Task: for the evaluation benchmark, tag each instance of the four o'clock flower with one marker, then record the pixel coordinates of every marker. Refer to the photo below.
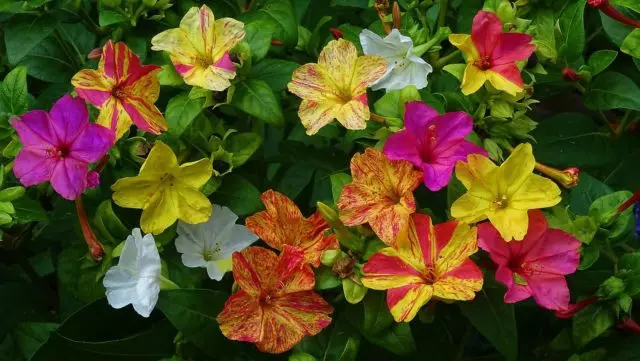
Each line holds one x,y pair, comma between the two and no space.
336,87
210,244
200,48
492,55
123,89
535,266
59,146
432,142
403,67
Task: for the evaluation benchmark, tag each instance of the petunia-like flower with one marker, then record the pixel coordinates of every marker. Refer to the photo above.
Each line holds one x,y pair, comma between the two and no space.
166,191
432,142
123,89
200,47
535,266
431,263
59,146
283,224
136,279
492,55
336,87
276,305
381,194
210,245
403,67
503,194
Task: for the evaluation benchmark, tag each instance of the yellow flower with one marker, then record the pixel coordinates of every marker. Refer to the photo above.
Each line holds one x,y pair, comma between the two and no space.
166,191
336,87
503,194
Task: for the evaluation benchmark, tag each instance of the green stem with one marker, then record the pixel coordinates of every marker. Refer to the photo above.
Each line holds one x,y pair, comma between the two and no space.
604,118
447,59
623,123
580,87
444,5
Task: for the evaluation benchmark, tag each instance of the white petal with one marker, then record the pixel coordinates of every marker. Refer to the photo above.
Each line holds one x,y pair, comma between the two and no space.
148,290
399,41
118,277
129,253
193,260
373,44
413,73
213,271
120,297
186,243
240,239
149,258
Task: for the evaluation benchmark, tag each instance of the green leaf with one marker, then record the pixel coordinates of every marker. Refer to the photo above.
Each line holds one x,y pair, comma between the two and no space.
29,210
600,60
237,193
326,279
397,339
377,317
338,181
591,322
255,97
340,342
456,70
25,33
242,146
318,35
630,262
604,207
613,91
181,111
110,17
544,31
363,4
31,335
353,292
11,193
630,4
13,91
295,179
571,23
21,302
275,72
281,14
108,224
391,105
588,190
631,44
259,38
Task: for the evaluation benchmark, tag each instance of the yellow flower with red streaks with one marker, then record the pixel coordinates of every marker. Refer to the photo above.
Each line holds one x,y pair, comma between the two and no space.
123,89
381,194
276,306
283,224
431,263
200,47
336,87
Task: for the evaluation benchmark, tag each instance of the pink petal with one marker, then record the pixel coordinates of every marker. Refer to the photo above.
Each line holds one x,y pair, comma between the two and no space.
95,97
533,239
69,178
34,130
549,291
490,240
437,176
515,292
225,62
417,117
92,144
512,47
558,253
485,32
450,129
139,72
69,116
403,145
33,166
511,72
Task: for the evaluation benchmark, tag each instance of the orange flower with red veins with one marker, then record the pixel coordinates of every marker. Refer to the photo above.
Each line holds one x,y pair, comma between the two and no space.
282,224
381,194
276,306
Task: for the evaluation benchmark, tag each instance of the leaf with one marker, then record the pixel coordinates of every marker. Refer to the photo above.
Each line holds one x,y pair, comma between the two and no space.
275,72
591,322
25,33
456,70
571,23
363,4
494,319
600,60
318,35
108,224
110,17
630,262
31,335
13,91
242,146
397,339
259,38
28,210
326,279
353,292
544,31
630,4
603,208
281,14
338,181
588,190
181,111
377,317
631,44
21,302
255,97
613,91
392,104
237,193
295,179
340,342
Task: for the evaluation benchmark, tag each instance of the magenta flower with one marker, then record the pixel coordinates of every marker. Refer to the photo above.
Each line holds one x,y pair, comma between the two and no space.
535,266
59,146
432,142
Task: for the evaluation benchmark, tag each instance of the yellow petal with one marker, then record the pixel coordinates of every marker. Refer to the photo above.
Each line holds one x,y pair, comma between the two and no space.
473,79
198,24
511,223
229,32
515,170
315,115
114,116
147,87
160,161
339,59
465,44
463,243
160,213
368,70
176,43
134,192
470,208
193,206
353,115
501,83
458,289
312,82
211,77
194,174
477,169
405,303
536,192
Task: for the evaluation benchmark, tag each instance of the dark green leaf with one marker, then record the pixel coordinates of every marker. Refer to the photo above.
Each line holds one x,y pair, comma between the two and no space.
337,343
295,179
109,17
181,111
237,193
612,91
242,146
275,72
13,91
28,210
338,181
600,60
591,323
255,97
259,38
31,335
572,28
25,33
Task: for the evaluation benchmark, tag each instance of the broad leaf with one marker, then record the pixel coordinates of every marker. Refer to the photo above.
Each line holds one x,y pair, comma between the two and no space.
181,111
13,91
23,34
572,30
255,97
613,91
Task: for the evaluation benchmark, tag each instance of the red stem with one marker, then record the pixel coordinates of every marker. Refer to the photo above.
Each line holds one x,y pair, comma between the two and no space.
610,11
95,248
634,198
103,161
630,325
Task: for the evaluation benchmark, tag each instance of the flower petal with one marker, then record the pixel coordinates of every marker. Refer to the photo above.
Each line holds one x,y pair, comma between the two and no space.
307,309
33,166
145,115
160,213
160,159
312,82
515,170
92,144
241,318
485,32
506,78
198,25
557,252
195,174
490,241
471,207
69,178
460,284
176,43
550,291
403,145
405,302
512,47
536,192
339,58
210,77
417,118
92,86
315,115
473,79
69,117
368,69
253,269
511,223
279,223
459,246
115,117
465,43
193,206
228,33
353,115
135,192
387,269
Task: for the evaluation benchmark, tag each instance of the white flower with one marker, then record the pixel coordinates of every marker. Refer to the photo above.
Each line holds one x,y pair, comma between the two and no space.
404,68
210,245
136,278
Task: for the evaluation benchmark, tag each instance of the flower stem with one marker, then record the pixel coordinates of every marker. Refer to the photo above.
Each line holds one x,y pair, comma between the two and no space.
103,161
442,15
634,198
95,248
608,9
378,119
445,60
624,123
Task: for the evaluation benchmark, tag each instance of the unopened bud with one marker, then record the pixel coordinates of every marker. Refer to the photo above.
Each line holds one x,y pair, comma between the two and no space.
611,288
572,309
568,178
95,54
277,42
569,74
506,11
396,15
337,34
330,256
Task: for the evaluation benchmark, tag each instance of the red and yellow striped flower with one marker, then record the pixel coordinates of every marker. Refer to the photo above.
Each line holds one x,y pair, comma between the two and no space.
123,89
276,305
431,263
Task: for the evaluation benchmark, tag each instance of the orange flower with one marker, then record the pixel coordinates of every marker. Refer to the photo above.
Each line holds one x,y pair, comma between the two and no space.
276,306
282,224
381,194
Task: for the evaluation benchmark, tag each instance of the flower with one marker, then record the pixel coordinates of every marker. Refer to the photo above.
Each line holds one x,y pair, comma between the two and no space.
123,89
59,146
536,266
636,213
210,245
282,224
381,194
568,312
276,305
136,278
200,48
403,68
492,55
432,142
432,262
336,87
503,194
166,191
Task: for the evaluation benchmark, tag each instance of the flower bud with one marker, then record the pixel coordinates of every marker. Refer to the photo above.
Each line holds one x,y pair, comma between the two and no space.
506,12
330,256
570,75
628,324
95,54
337,34
611,288
353,292
396,15
568,178
11,193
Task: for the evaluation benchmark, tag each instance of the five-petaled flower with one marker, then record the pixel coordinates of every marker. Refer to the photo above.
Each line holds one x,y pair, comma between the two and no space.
492,55
503,194
283,224
336,87
123,89
200,47
59,146
276,305
535,266
381,194
431,263
166,191
432,142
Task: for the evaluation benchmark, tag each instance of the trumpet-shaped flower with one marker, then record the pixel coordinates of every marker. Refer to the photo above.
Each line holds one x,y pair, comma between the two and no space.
166,191
283,224
336,87
136,278
432,142
492,55
431,263
381,194
123,89
211,244
59,146
200,47
503,194
276,305
536,266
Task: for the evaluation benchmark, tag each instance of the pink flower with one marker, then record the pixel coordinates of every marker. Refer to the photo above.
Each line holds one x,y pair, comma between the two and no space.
432,142
59,146
535,266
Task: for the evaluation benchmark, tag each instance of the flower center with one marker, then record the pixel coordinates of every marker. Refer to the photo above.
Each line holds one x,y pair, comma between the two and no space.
500,202
203,62
119,93
484,63
429,142
60,151
211,254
